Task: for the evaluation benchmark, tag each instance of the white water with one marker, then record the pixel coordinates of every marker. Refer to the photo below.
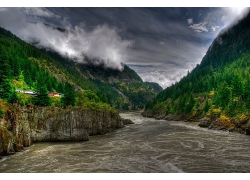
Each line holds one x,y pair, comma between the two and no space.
149,145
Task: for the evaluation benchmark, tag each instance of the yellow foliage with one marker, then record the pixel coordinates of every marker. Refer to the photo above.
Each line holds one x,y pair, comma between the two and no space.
243,117
207,118
211,93
224,118
20,85
194,113
216,110
226,122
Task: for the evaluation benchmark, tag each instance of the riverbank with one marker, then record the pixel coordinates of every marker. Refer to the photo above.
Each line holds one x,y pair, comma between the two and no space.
214,121
148,146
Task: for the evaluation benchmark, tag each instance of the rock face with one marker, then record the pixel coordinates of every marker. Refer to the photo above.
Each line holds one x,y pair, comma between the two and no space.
6,141
29,124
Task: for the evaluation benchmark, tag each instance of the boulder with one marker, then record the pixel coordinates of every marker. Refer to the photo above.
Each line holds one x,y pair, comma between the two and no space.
127,121
169,117
204,122
160,117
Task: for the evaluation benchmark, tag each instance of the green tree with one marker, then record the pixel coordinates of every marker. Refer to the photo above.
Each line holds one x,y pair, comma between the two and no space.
223,95
237,90
69,97
181,104
189,106
1,112
206,106
42,97
13,97
5,88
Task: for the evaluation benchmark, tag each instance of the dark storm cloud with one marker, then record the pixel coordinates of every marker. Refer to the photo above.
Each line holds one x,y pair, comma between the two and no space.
160,44
102,42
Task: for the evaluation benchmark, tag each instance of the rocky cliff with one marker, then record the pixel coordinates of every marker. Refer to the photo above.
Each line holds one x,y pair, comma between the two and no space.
23,125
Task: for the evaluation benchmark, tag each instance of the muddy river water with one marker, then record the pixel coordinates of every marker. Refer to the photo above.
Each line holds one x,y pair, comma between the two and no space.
149,145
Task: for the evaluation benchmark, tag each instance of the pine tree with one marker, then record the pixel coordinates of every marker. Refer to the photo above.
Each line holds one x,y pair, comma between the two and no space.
13,97
5,88
206,106
237,90
69,96
1,112
42,97
247,94
189,106
222,96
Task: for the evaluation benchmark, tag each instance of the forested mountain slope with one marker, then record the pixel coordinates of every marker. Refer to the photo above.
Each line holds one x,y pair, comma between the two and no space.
26,67
218,88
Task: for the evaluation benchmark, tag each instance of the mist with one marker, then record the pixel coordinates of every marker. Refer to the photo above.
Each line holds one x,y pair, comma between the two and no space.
171,40
101,45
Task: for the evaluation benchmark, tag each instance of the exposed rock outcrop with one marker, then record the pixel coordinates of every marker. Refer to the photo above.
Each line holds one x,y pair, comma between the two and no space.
127,121
147,113
28,124
204,122
220,124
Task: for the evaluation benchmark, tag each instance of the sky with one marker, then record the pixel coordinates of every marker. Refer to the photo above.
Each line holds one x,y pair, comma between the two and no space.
161,43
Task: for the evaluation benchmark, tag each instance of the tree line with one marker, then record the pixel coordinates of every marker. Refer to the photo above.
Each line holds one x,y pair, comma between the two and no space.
221,81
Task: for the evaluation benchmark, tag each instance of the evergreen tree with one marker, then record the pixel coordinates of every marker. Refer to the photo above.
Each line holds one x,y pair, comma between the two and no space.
190,104
206,106
223,95
181,104
42,97
1,112
237,90
5,88
247,94
69,96
13,97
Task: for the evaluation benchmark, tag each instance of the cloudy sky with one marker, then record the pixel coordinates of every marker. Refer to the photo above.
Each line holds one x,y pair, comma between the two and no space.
161,44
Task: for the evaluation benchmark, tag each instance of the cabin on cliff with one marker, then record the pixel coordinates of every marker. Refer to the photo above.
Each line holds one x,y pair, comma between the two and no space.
55,94
26,92
52,94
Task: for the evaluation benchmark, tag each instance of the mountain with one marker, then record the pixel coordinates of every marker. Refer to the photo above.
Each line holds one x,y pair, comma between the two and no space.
155,86
41,70
216,91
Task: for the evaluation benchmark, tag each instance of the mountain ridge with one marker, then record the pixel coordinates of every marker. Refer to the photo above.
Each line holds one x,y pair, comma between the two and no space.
96,78
216,92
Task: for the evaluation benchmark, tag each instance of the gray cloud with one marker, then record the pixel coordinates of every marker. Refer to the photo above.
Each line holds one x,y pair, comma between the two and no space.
190,21
199,27
160,44
102,42
39,11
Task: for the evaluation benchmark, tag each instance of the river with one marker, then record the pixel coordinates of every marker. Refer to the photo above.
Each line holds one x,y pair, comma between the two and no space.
149,145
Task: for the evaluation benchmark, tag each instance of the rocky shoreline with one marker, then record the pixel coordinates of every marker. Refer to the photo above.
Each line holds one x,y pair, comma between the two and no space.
25,125
214,122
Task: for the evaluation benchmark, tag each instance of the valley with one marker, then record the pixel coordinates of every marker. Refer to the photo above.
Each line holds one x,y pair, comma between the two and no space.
100,100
